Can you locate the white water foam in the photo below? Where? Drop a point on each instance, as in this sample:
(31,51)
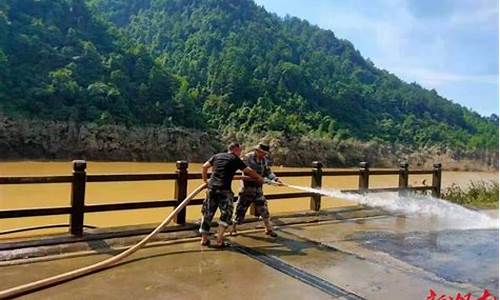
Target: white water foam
(453,215)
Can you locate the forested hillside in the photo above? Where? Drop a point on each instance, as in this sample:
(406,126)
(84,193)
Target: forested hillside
(60,61)
(223,66)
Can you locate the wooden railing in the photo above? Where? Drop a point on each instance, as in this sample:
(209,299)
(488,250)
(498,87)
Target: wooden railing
(79,179)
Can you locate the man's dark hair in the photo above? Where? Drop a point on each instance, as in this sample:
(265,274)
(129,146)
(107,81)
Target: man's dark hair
(233,145)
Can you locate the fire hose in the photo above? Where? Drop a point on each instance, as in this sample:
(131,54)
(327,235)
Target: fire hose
(54,280)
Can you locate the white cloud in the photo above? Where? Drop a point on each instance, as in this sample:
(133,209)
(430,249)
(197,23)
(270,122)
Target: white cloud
(452,50)
(399,42)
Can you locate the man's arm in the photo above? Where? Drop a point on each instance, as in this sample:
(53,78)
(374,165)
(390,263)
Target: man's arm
(270,175)
(251,172)
(204,173)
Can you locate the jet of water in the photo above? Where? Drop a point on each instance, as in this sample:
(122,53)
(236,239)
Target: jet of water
(455,216)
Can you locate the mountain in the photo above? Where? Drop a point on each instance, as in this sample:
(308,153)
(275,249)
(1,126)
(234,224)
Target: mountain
(60,61)
(222,65)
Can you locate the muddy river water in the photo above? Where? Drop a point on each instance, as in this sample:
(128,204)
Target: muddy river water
(46,195)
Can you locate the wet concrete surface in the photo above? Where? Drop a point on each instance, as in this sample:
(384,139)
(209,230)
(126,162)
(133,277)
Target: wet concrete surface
(455,255)
(384,257)
(400,268)
(365,278)
(182,271)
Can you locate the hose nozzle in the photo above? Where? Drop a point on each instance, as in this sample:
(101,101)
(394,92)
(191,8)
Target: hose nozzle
(272,182)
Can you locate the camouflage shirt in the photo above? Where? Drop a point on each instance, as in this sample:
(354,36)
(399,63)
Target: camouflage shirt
(260,166)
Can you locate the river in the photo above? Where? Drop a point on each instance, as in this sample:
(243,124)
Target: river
(46,195)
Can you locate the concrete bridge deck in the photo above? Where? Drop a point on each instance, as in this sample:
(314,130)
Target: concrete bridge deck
(361,254)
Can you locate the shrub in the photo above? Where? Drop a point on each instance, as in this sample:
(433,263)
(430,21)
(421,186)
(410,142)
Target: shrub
(478,194)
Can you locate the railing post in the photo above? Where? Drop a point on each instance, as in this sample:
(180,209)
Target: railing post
(78,197)
(181,189)
(403,178)
(317,174)
(364,176)
(436,180)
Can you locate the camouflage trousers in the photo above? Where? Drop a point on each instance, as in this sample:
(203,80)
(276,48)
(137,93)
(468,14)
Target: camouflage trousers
(249,195)
(216,198)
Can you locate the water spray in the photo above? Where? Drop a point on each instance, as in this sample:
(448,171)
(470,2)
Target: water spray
(449,214)
(387,201)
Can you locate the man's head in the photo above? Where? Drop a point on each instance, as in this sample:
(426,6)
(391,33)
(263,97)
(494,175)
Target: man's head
(234,148)
(262,150)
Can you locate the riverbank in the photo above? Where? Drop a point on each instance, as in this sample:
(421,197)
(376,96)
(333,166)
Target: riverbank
(478,194)
(50,140)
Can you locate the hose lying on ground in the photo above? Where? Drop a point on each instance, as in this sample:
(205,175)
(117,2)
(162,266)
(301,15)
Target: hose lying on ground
(51,281)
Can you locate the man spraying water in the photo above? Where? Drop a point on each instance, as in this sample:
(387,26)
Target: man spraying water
(251,191)
(219,194)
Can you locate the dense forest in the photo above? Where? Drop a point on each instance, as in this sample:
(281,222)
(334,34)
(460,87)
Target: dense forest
(226,67)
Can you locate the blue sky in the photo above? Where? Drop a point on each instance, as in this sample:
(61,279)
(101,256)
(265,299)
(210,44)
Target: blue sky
(447,45)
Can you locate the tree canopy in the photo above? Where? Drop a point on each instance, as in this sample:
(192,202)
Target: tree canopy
(213,64)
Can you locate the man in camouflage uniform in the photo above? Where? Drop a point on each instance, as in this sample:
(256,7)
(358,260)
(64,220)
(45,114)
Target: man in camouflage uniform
(251,191)
(219,194)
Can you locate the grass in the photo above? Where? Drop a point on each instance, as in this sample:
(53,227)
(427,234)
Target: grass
(478,194)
